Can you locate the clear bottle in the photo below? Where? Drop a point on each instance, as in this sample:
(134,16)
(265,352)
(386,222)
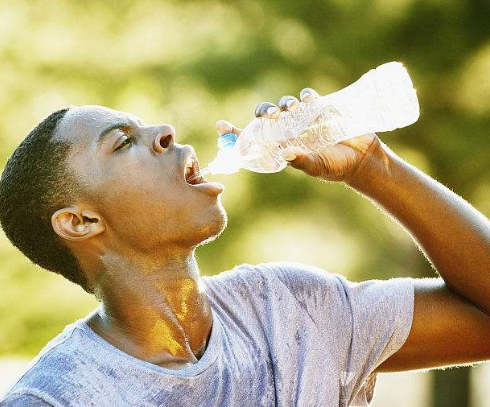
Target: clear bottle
(383,99)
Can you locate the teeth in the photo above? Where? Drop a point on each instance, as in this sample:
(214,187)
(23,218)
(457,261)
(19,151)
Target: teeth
(188,165)
(191,169)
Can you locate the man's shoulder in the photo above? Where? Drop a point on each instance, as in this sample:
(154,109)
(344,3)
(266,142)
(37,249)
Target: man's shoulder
(56,368)
(271,270)
(292,275)
(270,282)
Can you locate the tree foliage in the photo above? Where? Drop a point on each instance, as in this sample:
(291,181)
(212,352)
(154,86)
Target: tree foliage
(192,63)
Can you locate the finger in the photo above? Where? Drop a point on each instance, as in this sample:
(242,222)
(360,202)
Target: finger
(300,159)
(308,95)
(223,127)
(291,153)
(267,110)
(288,103)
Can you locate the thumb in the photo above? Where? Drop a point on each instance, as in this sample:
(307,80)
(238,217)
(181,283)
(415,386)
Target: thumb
(300,159)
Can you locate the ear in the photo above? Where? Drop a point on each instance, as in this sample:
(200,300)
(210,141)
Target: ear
(73,223)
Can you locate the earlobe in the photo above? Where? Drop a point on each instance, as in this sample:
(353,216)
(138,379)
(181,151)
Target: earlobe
(72,223)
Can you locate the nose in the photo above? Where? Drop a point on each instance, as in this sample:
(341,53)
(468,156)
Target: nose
(164,139)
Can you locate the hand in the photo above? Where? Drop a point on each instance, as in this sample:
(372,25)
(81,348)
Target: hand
(336,163)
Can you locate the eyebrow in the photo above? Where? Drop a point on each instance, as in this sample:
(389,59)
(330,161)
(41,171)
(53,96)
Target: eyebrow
(104,133)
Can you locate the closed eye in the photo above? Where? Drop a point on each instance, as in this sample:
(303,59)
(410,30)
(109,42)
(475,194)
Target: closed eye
(127,142)
(123,142)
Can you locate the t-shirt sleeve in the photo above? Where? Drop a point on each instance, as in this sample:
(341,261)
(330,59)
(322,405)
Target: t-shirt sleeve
(23,400)
(375,316)
(381,318)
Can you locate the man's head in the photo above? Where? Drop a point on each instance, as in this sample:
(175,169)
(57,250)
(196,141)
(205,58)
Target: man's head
(89,181)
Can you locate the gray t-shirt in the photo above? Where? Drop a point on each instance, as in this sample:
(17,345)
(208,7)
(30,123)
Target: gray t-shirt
(283,334)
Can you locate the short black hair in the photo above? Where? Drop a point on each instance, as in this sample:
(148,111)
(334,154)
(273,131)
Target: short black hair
(35,183)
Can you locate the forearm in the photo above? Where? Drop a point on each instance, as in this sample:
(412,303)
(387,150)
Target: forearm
(454,236)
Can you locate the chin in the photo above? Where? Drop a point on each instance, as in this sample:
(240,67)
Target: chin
(214,227)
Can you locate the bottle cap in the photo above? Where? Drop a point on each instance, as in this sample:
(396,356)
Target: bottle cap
(227,140)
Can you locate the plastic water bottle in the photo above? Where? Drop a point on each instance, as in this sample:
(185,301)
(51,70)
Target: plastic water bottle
(383,99)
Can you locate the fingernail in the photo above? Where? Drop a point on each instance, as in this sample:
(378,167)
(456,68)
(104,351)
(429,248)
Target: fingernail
(289,103)
(306,95)
(271,110)
(289,157)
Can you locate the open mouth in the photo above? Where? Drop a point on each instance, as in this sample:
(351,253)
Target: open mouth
(191,171)
(192,175)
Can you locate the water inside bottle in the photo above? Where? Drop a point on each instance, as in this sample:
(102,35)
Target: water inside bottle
(317,129)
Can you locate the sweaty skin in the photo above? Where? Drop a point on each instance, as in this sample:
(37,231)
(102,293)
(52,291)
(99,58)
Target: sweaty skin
(134,230)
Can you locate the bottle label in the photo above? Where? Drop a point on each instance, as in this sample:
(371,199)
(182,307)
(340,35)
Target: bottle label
(227,140)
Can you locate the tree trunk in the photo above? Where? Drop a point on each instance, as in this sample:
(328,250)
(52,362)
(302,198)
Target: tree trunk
(451,388)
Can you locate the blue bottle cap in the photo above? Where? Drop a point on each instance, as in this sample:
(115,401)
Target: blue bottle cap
(227,140)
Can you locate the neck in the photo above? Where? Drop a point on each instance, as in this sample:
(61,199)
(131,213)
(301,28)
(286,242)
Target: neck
(155,310)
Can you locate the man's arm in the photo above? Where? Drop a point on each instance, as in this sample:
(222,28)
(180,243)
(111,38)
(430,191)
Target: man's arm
(451,322)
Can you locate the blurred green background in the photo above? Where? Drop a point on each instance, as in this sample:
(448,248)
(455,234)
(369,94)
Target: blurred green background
(194,62)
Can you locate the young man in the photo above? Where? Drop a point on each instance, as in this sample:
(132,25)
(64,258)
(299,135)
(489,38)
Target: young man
(101,198)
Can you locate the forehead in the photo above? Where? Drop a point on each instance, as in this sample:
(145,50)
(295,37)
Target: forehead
(84,123)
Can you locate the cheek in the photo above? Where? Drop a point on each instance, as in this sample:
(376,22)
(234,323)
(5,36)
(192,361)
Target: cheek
(139,200)
(145,205)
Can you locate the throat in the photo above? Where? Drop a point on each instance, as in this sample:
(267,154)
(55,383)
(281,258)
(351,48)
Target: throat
(154,309)
(169,326)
